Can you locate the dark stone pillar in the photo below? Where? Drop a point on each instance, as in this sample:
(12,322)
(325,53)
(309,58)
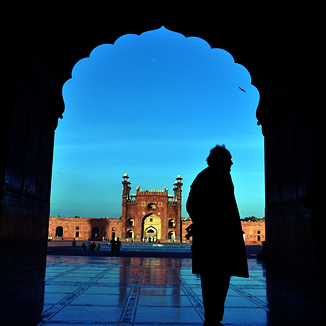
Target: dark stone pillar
(26,154)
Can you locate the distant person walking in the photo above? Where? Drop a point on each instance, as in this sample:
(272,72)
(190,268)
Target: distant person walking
(88,245)
(216,258)
(118,246)
(73,244)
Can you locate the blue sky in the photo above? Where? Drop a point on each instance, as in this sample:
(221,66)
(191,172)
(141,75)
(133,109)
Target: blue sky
(153,105)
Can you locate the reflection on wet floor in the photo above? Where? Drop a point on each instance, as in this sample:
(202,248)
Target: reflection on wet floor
(137,291)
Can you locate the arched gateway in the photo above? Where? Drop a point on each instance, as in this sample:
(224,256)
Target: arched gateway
(151,234)
(152,227)
(284,66)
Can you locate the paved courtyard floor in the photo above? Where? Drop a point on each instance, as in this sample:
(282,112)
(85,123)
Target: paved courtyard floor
(148,291)
(144,291)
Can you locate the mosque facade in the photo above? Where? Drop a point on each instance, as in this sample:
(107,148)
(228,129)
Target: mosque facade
(151,215)
(148,216)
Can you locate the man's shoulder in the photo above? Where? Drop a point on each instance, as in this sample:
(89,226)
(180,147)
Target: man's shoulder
(206,172)
(202,176)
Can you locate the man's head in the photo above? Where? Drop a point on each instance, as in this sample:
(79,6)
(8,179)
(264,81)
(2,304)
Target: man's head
(220,158)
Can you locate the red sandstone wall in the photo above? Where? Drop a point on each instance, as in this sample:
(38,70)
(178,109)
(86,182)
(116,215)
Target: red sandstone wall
(254,231)
(185,223)
(70,224)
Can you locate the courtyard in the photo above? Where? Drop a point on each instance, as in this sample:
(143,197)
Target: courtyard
(142,288)
(146,291)
(97,290)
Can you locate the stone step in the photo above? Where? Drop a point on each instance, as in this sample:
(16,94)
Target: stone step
(150,247)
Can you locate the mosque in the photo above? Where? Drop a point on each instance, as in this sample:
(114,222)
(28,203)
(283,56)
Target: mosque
(151,214)
(147,215)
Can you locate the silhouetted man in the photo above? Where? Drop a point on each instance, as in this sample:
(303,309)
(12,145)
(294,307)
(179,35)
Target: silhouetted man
(218,249)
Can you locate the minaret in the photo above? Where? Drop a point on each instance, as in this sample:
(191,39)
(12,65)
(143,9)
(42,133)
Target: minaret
(125,197)
(126,188)
(177,199)
(177,189)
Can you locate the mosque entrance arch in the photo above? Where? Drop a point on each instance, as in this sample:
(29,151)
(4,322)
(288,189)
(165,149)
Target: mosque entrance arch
(151,227)
(151,234)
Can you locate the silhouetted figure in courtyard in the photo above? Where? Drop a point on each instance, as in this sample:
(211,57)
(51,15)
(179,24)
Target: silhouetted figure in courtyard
(118,246)
(92,246)
(113,246)
(216,254)
(73,244)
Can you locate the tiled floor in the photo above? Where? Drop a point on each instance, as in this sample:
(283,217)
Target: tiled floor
(122,291)
(142,291)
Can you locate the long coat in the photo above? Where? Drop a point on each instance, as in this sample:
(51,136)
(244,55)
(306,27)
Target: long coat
(216,229)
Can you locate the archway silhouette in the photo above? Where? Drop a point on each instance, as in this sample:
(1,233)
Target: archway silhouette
(284,68)
(216,121)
